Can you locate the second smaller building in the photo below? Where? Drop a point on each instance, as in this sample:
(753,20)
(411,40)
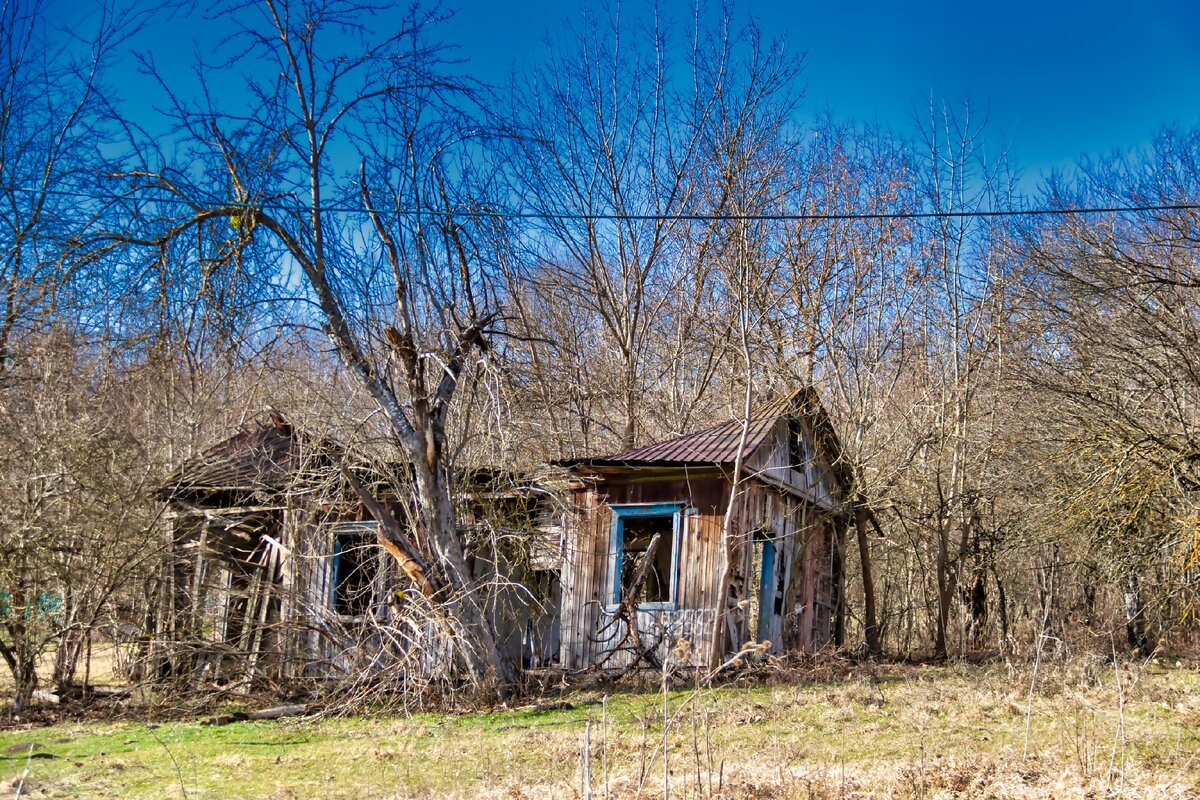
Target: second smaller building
(784,533)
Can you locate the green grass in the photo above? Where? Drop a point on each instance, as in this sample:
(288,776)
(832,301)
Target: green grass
(919,732)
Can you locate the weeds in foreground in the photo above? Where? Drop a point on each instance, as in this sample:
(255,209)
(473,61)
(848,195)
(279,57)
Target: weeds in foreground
(892,731)
(1014,743)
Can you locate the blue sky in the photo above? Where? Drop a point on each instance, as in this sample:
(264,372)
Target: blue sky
(1057,79)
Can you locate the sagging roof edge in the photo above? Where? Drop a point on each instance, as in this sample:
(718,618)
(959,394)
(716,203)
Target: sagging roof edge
(718,438)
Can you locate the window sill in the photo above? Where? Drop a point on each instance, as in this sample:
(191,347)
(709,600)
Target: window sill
(612,609)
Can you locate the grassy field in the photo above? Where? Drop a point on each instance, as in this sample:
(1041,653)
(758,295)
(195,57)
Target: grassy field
(957,731)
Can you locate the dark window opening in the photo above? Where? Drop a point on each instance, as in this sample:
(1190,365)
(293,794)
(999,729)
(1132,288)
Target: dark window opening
(355,563)
(638,533)
(780,590)
(797,446)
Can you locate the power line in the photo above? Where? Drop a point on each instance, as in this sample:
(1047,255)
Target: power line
(895,215)
(679,217)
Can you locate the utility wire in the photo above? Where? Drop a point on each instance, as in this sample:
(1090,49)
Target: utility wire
(611,217)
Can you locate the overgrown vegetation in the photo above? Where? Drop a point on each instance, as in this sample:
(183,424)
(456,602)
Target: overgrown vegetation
(891,731)
(636,241)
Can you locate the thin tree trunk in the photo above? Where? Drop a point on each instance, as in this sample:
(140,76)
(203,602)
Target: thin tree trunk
(26,679)
(978,608)
(944,592)
(728,532)
(839,620)
(871,622)
(1136,631)
(1002,609)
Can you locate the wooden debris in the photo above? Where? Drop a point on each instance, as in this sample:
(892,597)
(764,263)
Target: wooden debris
(278,712)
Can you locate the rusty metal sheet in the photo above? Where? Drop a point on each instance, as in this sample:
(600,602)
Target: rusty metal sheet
(716,445)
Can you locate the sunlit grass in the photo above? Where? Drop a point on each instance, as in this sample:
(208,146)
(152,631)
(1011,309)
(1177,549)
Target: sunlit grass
(901,732)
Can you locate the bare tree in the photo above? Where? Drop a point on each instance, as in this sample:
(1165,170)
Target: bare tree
(69,510)
(77,525)
(53,113)
(958,336)
(851,292)
(610,152)
(1111,307)
(411,222)
(747,147)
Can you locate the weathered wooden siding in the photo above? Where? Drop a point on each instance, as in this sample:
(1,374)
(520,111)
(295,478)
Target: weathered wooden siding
(795,526)
(587,577)
(684,632)
(806,532)
(802,533)
(773,463)
(770,510)
(221,603)
(824,601)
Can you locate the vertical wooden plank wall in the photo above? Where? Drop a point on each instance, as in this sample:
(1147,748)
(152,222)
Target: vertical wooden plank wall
(778,499)
(587,578)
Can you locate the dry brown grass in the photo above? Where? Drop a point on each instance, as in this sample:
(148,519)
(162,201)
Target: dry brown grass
(888,732)
(105,667)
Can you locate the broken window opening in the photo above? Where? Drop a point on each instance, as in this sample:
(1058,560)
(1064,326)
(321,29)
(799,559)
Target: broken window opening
(634,528)
(799,456)
(354,569)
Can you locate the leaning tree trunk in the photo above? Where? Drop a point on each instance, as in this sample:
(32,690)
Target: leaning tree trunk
(483,654)
(438,566)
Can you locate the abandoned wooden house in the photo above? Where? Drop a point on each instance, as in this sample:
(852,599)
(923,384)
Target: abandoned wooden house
(273,571)
(784,577)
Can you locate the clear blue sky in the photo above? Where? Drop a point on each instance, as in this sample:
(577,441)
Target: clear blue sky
(1058,79)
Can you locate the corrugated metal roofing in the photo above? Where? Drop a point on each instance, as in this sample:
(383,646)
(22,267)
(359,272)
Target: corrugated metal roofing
(716,445)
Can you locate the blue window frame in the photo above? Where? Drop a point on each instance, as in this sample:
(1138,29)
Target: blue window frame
(633,527)
(353,568)
(770,583)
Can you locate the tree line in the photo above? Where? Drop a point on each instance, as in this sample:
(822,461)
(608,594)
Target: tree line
(642,233)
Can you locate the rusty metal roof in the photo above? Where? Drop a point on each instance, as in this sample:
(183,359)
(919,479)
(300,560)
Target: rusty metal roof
(716,445)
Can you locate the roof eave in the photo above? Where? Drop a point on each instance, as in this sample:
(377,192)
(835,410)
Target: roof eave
(610,463)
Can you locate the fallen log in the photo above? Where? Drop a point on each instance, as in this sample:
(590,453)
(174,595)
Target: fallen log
(278,712)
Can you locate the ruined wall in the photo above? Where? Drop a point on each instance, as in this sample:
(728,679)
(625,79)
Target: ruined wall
(587,576)
(801,532)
